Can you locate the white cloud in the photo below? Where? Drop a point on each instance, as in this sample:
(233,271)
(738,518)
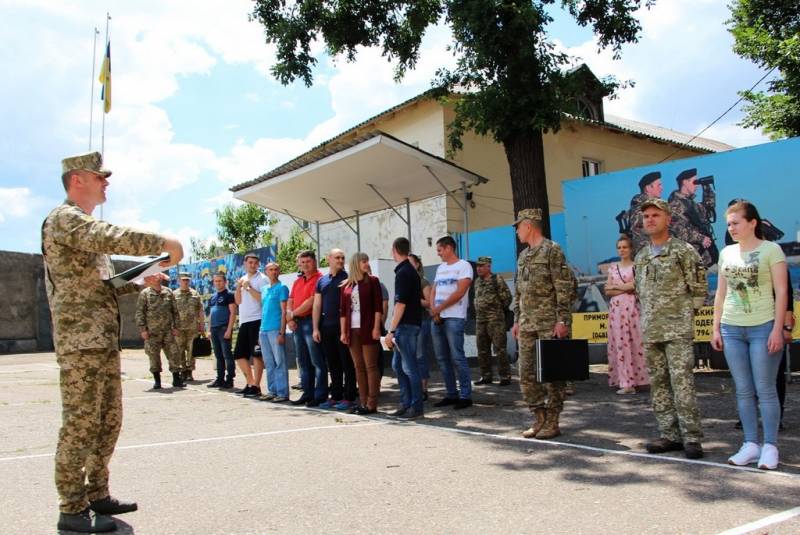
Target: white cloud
(16,202)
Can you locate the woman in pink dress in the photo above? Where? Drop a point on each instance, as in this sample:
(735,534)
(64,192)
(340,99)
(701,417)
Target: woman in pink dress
(626,363)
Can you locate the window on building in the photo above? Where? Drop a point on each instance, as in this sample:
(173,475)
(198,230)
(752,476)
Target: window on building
(591,167)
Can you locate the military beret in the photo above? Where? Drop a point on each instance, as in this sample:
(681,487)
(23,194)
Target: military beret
(184,275)
(484,260)
(648,179)
(534,214)
(685,175)
(91,161)
(655,202)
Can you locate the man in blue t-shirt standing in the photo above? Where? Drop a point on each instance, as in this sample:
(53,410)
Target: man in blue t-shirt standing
(272,335)
(222,311)
(327,332)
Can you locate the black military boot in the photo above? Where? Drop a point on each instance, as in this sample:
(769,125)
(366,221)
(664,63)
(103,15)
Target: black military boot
(157,381)
(112,506)
(85,522)
(177,382)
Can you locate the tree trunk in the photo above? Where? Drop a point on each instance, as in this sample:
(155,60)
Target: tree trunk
(525,154)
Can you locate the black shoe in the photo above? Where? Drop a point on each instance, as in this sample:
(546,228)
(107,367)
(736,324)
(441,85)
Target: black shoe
(504,382)
(315,402)
(112,506)
(780,426)
(254,392)
(298,386)
(483,381)
(85,522)
(156,381)
(444,402)
(400,412)
(187,375)
(177,382)
(411,414)
(693,450)
(738,425)
(363,411)
(227,383)
(216,384)
(425,396)
(462,404)
(242,391)
(301,401)
(663,445)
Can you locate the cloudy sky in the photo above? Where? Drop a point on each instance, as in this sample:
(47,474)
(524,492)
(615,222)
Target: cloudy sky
(195,110)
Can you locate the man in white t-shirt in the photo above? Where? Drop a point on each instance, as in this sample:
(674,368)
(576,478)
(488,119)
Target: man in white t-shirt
(248,297)
(450,300)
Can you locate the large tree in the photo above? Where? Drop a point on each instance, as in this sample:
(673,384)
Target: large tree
(509,77)
(243,228)
(768,33)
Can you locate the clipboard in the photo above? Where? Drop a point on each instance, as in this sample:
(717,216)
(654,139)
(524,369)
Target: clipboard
(562,360)
(139,271)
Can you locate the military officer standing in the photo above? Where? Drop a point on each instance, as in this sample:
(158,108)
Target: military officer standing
(191,322)
(671,284)
(650,186)
(543,296)
(492,298)
(691,221)
(157,319)
(86,327)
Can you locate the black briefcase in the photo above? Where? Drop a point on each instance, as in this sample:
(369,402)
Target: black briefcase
(562,360)
(201,346)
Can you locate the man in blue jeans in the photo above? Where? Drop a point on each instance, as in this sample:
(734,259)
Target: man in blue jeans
(404,330)
(222,316)
(450,299)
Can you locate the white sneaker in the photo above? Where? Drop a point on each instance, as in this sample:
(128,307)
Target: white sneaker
(748,453)
(769,457)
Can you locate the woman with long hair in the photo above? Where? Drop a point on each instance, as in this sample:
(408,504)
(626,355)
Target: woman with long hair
(749,310)
(360,317)
(424,339)
(626,363)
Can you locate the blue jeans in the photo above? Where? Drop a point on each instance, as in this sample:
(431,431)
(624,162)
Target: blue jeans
(448,342)
(754,370)
(314,378)
(223,353)
(405,366)
(422,349)
(274,355)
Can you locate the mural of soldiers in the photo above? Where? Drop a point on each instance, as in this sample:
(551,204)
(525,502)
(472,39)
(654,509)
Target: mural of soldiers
(543,296)
(650,186)
(156,317)
(492,298)
(691,221)
(191,321)
(671,284)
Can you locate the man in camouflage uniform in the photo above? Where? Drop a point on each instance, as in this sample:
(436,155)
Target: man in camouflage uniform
(691,221)
(650,186)
(492,298)
(671,285)
(543,296)
(191,321)
(86,327)
(157,319)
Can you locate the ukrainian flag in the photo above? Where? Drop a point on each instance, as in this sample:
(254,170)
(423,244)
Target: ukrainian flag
(105,79)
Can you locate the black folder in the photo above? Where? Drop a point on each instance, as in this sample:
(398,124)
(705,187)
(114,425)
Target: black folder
(562,360)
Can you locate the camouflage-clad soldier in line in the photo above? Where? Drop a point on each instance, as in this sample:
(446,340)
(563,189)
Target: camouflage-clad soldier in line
(543,296)
(86,327)
(650,186)
(691,221)
(492,298)
(157,320)
(671,284)
(191,322)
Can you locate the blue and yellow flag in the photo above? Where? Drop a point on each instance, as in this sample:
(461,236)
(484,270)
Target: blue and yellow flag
(105,79)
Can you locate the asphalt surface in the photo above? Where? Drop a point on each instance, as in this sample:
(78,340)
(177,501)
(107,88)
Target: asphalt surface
(201,460)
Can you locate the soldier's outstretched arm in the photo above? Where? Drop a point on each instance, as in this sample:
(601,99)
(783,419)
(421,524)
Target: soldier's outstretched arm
(85,233)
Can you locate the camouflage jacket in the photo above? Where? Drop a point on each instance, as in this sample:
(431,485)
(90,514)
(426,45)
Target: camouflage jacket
(635,220)
(156,311)
(492,298)
(691,220)
(190,308)
(670,286)
(544,289)
(84,309)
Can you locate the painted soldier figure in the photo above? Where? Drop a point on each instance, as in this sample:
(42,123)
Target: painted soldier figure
(650,186)
(191,322)
(492,299)
(691,221)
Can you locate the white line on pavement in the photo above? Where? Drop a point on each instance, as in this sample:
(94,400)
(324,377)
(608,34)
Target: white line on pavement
(764,522)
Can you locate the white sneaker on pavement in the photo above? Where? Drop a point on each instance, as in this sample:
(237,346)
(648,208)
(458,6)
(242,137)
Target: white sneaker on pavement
(748,453)
(769,457)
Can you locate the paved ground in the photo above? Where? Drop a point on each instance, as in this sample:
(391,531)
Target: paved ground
(203,461)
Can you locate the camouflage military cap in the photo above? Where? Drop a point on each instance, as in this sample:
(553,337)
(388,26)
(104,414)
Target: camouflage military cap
(484,260)
(534,214)
(91,161)
(184,275)
(655,202)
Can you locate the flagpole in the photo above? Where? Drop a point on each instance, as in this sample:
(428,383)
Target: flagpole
(91,100)
(103,132)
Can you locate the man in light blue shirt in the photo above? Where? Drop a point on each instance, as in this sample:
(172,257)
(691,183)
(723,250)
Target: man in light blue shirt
(272,335)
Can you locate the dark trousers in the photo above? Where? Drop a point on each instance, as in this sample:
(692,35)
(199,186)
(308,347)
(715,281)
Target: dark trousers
(222,352)
(782,379)
(340,364)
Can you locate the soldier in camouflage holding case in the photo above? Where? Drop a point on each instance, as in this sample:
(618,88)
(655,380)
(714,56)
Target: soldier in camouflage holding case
(157,319)
(671,284)
(191,322)
(492,298)
(86,329)
(543,297)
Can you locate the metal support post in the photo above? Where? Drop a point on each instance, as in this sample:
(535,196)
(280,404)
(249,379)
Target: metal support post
(466,220)
(303,228)
(408,218)
(319,251)
(358,232)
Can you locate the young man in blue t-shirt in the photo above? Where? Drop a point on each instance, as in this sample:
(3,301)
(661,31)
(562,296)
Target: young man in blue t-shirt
(222,316)
(272,335)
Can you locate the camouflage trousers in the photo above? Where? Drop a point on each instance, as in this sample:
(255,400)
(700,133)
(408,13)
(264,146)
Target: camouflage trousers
(153,346)
(672,392)
(537,395)
(488,334)
(184,343)
(91,417)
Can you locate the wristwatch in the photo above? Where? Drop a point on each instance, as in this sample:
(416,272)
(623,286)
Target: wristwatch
(788,328)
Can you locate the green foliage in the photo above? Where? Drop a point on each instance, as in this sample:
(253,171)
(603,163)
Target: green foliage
(243,228)
(205,249)
(768,33)
(287,250)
